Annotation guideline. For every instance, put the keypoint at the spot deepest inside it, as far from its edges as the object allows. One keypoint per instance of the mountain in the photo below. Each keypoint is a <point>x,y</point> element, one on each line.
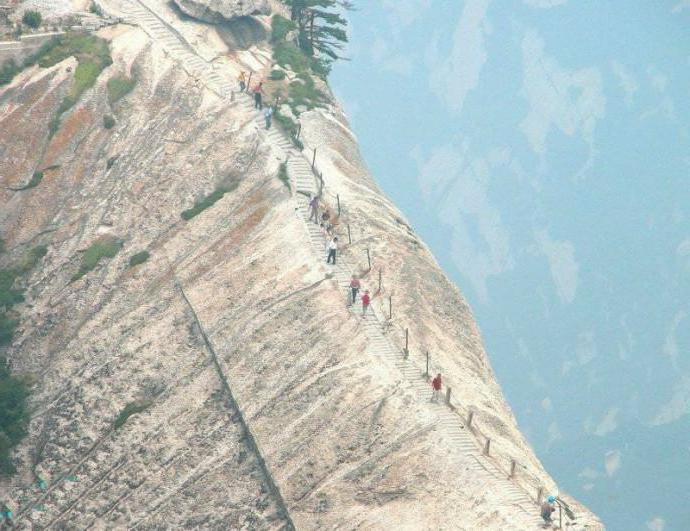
<point>192,358</point>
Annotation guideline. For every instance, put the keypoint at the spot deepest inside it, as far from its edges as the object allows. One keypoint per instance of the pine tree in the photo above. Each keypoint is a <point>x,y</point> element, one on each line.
<point>321,30</point>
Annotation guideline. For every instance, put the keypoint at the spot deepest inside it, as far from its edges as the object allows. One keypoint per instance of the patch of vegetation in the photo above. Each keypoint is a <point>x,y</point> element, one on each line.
<point>110,162</point>
<point>303,92</point>
<point>32,258</point>
<point>138,258</point>
<point>106,247</point>
<point>283,174</point>
<point>287,54</point>
<point>8,323</point>
<point>130,409</point>
<point>321,30</point>
<point>9,295</point>
<point>119,87</point>
<point>8,70</point>
<point>14,414</point>
<point>93,56</point>
<point>207,201</point>
<point>108,121</point>
<point>36,178</point>
<point>277,75</point>
<point>290,127</point>
<point>93,8</point>
<point>32,19</point>
<point>280,27</point>
<point>86,48</point>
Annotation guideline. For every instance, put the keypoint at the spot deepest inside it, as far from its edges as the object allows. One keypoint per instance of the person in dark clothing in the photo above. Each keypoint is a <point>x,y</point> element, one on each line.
<point>314,209</point>
<point>258,92</point>
<point>547,509</point>
<point>354,288</point>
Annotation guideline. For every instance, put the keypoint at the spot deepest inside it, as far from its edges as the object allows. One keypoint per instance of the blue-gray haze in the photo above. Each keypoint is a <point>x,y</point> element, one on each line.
<point>541,147</point>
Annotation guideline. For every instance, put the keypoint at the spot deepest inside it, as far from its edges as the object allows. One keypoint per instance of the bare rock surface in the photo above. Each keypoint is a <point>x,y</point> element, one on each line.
<point>261,401</point>
<point>222,10</point>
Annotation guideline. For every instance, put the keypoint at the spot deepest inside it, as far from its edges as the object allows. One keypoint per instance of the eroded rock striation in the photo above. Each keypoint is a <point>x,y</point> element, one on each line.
<point>224,383</point>
<point>215,11</point>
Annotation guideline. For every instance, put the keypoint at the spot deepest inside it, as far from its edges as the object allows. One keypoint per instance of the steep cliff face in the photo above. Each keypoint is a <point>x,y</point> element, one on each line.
<point>224,383</point>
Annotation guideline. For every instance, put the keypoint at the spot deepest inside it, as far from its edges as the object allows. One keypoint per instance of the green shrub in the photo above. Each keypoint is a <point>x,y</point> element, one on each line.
<point>103,248</point>
<point>32,19</point>
<point>131,409</point>
<point>283,174</point>
<point>8,70</point>
<point>119,87</point>
<point>110,162</point>
<point>138,258</point>
<point>93,8</point>
<point>277,75</point>
<point>207,202</point>
<point>14,414</point>
<point>32,258</point>
<point>8,295</point>
<point>108,121</point>
<point>280,27</point>
<point>304,92</point>
<point>7,326</point>
<point>290,127</point>
<point>287,54</point>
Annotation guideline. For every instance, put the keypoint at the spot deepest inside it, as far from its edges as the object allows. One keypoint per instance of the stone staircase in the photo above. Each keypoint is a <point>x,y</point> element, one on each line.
<point>304,182</point>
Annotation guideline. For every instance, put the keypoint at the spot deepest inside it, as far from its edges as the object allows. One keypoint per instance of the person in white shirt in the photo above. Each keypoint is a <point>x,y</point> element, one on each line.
<point>332,248</point>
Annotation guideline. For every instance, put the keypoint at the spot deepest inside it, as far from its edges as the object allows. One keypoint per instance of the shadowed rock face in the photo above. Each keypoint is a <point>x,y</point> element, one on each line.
<point>318,428</point>
<point>216,11</point>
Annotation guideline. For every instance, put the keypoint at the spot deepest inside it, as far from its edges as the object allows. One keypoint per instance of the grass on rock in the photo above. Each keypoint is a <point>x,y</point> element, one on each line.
<point>130,409</point>
<point>138,258</point>
<point>208,201</point>
<point>106,247</point>
<point>283,174</point>
<point>119,87</point>
<point>93,56</point>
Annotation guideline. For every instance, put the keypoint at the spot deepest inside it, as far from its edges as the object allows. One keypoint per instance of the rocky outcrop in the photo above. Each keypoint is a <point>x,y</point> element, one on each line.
<point>218,11</point>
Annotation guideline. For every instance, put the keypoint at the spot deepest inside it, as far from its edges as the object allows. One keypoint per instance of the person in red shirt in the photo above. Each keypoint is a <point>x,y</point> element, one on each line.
<point>354,288</point>
<point>436,387</point>
<point>258,91</point>
<point>366,301</point>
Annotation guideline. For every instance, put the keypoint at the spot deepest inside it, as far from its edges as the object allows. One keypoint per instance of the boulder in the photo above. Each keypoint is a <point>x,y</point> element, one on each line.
<point>217,11</point>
